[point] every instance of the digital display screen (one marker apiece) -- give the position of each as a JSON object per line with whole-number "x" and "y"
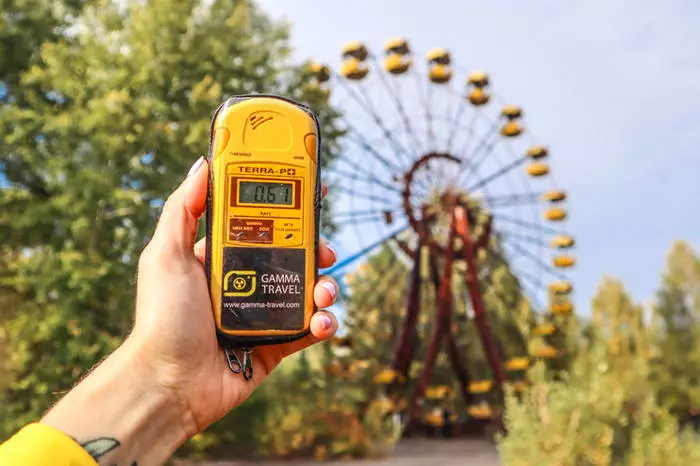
{"x": 258, "y": 192}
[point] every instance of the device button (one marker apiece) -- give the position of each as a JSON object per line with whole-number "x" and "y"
{"x": 221, "y": 138}
{"x": 310, "y": 141}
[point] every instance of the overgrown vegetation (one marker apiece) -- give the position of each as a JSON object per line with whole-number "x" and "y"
{"x": 103, "y": 106}
{"x": 631, "y": 389}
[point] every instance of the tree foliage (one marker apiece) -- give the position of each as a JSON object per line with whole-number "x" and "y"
{"x": 676, "y": 314}
{"x": 605, "y": 409}
{"x": 106, "y": 108}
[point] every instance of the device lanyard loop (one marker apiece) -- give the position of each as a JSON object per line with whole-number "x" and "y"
{"x": 235, "y": 364}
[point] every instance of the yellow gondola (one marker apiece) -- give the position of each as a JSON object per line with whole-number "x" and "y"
{"x": 355, "y": 49}
{"x": 319, "y": 71}
{"x": 561, "y": 287}
{"x": 438, "y": 56}
{"x": 396, "y": 64}
{"x": 384, "y": 404}
{"x": 397, "y": 46}
{"x": 478, "y": 97}
{"x": 478, "y": 79}
{"x": 545, "y": 329}
{"x": 388, "y": 377}
{"x": 561, "y": 309}
{"x": 555, "y": 214}
{"x": 545, "y": 352}
{"x": 434, "y": 419}
{"x": 537, "y": 152}
{"x": 554, "y": 196}
{"x": 512, "y": 112}
{"x": 563, "y": 242}
{"x": 518, "y": 364}
{"x": 482, "y": 411}
{"x": 563, "y": 261}
{"x": 480, "y": 386}
{"x": 511, "y": 129}
{"x": 438, "y": 392}
{"x": 537, "y": 169}
{"x": 440, "y": 74}
{"x": 354, "y": 69}
{"x": 519, "y": 385}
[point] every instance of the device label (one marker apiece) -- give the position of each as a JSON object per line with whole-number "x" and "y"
{"x": 263, "y": 288}
{"x": 251, "y": 230}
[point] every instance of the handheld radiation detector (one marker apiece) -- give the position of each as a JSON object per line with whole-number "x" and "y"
{"x": 262, "y": 220}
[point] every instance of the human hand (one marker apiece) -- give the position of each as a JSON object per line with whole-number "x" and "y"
{"x": 174, "y": 319}
{"x": 170, "y": 380}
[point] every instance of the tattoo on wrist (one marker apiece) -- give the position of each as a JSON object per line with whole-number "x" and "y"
{"x": 99, "y": 447}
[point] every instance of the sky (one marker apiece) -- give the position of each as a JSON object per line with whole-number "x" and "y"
{"x": 612, "y": 87}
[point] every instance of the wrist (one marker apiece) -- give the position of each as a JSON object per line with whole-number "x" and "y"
{"x": 122, "y": 401}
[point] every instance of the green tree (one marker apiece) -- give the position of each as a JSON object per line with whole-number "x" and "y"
{"x": 24, "y": 26}
{"x": 100, "y": 128}
{"x": 676, "y": 314}
{"x": 602, "y": 412}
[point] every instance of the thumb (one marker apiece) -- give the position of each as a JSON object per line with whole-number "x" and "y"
{"x": 177, "y": 226}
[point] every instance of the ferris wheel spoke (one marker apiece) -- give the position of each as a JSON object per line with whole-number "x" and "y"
{"x": 532, "y": 295}
{"x": 361, "y": 195}
{"x": 488, "y": 150}
{"x": 356, "y": 213}
{"x": 510, "y": 199}
{"x": 363, "y": 144}
{"x": 466, "y": 157}
{"x": 398, "y": 148}
{"x": 525, "y": 290}
{"x": 366, "y": 250}
{"x": 422, "y": 94}
{"x": 378, "y": 217}
{"x": 526, "y": 224}
{"x": 526, "y": 238}
{"x": 534, "y": 258}
{"x": 367, "y": 178}
{"x": 379, "y": 285}
{"x": 469, "y": 134}
{"x": 497, "y": 174}
{"x": 394, "y": 92}
{"x": 455, "y": 124}
{"x": 486, "y": 139}
{"x": 369, "y": 109}
{"x": 537, "y": 283}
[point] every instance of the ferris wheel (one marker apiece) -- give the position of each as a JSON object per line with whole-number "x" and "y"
{"x": 435, "y": 163}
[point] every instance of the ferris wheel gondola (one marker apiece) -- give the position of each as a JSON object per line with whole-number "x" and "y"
{"x": 434, "y": 163}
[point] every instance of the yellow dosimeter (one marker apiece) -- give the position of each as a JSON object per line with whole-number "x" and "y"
{"x": 262, "y": 222}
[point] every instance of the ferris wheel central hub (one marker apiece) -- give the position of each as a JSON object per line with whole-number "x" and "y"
{"x": 420, "y": 202}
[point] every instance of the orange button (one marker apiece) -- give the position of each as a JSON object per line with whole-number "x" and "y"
{"x": 310, "y": 142}
{"x": 221, "y": 138}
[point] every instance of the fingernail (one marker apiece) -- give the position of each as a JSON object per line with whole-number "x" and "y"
{"x": 331, "y": 248}
{"x": 331, "y": 288}
{"x": 326, "y": 322}
{"x": 196, "y": 166}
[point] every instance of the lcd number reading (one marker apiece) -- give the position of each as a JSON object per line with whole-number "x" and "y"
{"x": 254, "y": 192}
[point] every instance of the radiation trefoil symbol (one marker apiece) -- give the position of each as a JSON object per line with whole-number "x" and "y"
{"x": 240, "y": 283}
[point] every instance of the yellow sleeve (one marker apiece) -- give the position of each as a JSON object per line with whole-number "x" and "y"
{"x": 42, "y": 445}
